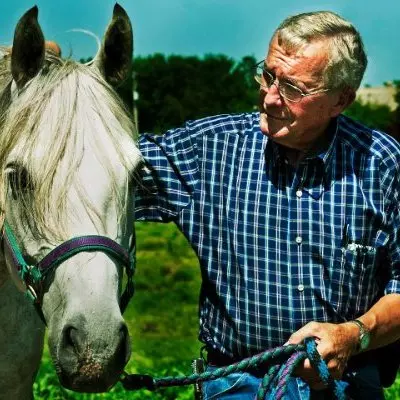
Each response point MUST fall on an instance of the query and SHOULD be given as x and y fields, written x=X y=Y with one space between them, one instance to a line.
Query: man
x=293 y=213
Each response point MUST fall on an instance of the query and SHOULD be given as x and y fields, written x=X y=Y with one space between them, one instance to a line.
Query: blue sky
x=197 y=27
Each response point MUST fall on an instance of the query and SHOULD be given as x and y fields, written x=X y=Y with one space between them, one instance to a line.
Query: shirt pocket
x=357 y=284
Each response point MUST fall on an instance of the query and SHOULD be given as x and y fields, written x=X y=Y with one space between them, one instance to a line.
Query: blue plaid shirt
x=278 y=246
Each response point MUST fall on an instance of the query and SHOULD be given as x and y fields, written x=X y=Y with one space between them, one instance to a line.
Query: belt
x=217 y=359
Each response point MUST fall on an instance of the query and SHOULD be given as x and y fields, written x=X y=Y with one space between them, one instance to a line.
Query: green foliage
x=396 y=84
x=175 y=89
x=393 y=393
x=375 y=116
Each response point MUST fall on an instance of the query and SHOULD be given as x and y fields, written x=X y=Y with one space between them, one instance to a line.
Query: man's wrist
x=364 y=335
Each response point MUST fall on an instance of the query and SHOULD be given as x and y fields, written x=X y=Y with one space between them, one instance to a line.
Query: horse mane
x=83 y=113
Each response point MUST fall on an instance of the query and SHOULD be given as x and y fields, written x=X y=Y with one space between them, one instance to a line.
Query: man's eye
x=289 y=87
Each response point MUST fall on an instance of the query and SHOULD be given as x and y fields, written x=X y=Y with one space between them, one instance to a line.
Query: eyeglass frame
x=260 y=78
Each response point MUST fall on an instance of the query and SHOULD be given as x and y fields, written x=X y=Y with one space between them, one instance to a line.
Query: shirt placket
x=299 y=239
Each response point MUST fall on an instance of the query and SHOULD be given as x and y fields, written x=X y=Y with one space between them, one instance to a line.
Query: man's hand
x=336 y=343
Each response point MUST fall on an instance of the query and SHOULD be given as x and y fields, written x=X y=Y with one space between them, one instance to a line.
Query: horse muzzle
x=88 y=362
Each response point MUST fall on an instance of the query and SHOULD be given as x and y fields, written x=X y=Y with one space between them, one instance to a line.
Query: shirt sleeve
x=169 y=177
x=393 y=246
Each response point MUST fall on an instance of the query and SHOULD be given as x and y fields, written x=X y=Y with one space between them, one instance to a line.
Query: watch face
x=364 y=341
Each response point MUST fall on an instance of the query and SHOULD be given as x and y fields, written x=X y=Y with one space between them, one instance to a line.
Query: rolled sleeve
x=393 y=285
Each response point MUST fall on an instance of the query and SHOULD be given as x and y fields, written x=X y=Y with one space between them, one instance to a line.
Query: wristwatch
x=365 y=336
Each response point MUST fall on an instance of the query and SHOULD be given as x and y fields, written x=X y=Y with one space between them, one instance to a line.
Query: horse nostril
x=72 y=338
x=93 y=354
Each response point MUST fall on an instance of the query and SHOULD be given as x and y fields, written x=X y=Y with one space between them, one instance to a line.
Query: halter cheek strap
x=34 y=275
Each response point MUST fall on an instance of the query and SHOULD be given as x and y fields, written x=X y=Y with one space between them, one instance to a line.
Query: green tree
x=375 y=116
x=396 y=84
x=175 y=89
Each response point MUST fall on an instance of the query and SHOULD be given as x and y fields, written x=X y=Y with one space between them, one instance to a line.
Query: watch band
x=364 y=336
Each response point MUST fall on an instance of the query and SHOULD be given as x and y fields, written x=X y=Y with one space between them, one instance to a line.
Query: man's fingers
x=310 y=330
x=306 y=371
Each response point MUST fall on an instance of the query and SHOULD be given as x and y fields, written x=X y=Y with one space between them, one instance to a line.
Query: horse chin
x=85 y=373
x=81 y=384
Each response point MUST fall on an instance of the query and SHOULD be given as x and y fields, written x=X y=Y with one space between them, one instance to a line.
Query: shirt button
x=300 y=288
x=299 y=193
x=299 y=239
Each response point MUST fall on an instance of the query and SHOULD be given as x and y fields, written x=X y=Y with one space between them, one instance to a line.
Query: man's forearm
x=383 y=321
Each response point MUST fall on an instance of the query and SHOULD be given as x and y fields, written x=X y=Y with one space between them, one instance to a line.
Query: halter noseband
x=34 y=275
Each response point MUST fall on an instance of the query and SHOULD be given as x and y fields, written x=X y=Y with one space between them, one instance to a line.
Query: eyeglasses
x=288 y=91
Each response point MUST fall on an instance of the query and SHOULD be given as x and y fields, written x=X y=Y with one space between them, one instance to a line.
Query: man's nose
x=272 y=96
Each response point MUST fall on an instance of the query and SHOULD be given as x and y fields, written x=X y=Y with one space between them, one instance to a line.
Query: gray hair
x=347 y=58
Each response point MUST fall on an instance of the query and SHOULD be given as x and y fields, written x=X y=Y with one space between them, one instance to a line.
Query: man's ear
x=345 y=99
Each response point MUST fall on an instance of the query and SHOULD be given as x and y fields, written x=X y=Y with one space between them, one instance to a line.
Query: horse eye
x=18 y=180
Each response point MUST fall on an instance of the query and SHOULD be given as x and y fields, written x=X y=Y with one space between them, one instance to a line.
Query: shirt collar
x=323 y=154
x=324 y=151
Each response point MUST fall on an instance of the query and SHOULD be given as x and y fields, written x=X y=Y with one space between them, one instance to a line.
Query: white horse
x=68 y=160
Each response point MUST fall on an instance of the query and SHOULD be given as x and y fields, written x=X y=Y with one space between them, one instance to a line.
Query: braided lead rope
x=272 y=356
x=290 y=356
x=286 y=372
x=319 y=364
x=277 y=355
x=268 y=381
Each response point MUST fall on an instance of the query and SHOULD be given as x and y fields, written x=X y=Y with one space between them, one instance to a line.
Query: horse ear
x=115 y=57
x=28 y=48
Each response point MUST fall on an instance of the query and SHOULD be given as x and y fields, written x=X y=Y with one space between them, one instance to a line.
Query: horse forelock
x=66 y=110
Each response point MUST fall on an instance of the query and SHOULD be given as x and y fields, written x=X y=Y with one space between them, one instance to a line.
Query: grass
x=162 y=319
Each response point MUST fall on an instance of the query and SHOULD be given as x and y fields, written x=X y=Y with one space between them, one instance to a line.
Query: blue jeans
x=363 y=384
x=244 y=386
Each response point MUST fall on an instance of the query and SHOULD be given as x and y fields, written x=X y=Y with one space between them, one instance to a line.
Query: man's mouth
x=276 y=117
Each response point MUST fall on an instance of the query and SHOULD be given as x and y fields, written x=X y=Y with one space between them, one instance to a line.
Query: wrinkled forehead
x=308 y=60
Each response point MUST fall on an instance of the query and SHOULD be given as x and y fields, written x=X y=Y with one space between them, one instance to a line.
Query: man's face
x=298 y=125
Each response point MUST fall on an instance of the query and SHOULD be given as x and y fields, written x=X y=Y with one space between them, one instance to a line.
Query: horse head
x=68 y=161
